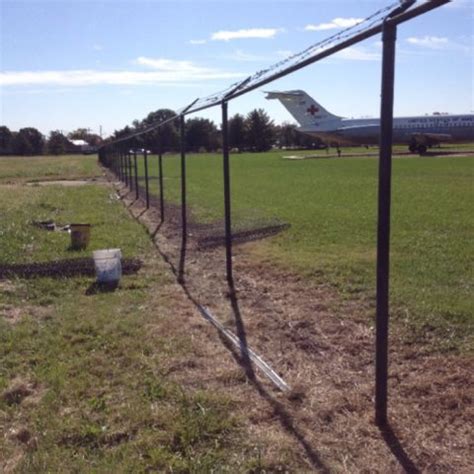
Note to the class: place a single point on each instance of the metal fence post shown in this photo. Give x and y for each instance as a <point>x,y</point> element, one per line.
<point>160,177</point>
<point>227,204</point>
<point>147,195</point>
<point>389,34</point>
<point>184,230</point>
<point>125,169</point>
<point>135,166</point>
<point>130,171</point>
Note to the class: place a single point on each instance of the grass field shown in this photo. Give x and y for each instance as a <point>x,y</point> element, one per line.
<point>83,385</point>
<point>331,206</point>
<point>36,168</point>
<point>135,381</point>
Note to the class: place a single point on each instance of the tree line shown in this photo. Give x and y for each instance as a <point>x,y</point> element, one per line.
<point>253,132</point>
<point>30,141</point>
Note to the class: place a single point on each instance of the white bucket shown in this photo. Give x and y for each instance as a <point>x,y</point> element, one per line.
<point>108,266</point>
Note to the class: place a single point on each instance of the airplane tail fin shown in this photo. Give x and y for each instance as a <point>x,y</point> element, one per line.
<point>306,111</point>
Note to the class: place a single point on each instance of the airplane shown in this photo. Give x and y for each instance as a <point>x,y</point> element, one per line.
<point>420,133</point>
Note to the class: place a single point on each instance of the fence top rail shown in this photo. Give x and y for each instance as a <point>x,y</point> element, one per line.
<point>395,13</point>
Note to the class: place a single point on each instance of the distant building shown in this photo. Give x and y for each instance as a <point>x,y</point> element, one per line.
<point>80,146</point>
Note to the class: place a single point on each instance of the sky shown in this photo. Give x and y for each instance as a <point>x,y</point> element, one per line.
<point>102,64</point>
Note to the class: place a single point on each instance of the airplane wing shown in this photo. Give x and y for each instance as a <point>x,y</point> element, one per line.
<point>358,127</point>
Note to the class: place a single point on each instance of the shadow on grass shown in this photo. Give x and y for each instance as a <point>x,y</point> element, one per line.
<point>284,417</point>
<point>395,446</point>
<point>243,359</point>
<point>101,287</point>
<point>155,232</point>
<point>66,268</point>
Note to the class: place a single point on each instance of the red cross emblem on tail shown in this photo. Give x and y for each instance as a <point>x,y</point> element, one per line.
<point>312,110</point>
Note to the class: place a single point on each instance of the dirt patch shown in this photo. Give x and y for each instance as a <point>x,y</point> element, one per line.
<point>23,441</point>
<point>23,436</point>
<point>209,234</point>
<point>9,465</point>
<point>67,182</point>
<point>63,268</point>
<point>13,314</point>
<point>323,346</point>
<point>21,391</point>
<point>8,287</point>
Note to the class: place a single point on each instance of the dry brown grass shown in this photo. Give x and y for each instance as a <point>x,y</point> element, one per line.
<point>323,346</point>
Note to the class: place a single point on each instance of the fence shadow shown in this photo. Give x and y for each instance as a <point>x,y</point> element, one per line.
<point>284,417</point>
<point>392,441</point>
<point>155,232</point>
<point>243,359</point>
<point>101,287</point>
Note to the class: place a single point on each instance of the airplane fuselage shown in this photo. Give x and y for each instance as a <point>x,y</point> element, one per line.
<point>455,128</point>
<point>418,132</point>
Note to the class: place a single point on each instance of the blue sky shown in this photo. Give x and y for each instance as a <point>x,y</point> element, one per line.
<point>69,64</point>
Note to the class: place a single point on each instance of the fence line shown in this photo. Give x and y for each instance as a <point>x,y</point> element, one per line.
<point>117,156</point>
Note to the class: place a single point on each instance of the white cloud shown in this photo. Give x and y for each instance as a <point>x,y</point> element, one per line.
<point>240,55</point>
<point>97,47</point>
<point>432,42</point>
<point>87,77</point>
<point>246,33</point>
<point>164,71</point>
<point>358,53</point>
<point>336,23</point>
<point>439,43</point>
<point>163,64</point>
<point>198,41</point>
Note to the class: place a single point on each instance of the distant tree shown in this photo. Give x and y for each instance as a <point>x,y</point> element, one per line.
<point>202,133</point>
<point>136,123</point>
<point>237,132</point>
<point>287,135</point>
<point>36,139</point>
<point>28,141</point>
<point>57,143</point>
<point>166,136</point>
<point>94,139</point>
<point>78,134</point>
<point>21,145</point>
<point>132,143</point>
<point>260,130</point>
<point>121,132</point>
<point>6,141</point>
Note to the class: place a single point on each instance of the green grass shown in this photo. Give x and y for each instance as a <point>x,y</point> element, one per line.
<point>331,206</point>
<point>37,168</point>
<point>102,401</point>
<point>97,205</point>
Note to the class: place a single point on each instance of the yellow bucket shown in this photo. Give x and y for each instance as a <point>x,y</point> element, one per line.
<point>80,236</point>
